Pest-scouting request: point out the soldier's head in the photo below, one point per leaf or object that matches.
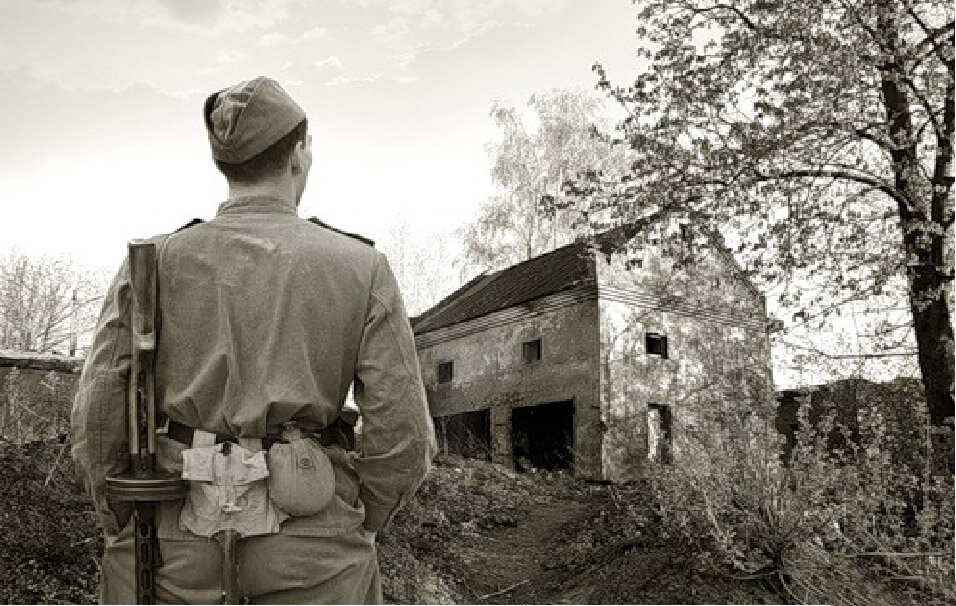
(258, 133)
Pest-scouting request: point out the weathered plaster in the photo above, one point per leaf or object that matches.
(718, 349)
(593, 352)
(489, 372)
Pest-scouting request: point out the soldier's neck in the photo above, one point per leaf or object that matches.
(282, 188)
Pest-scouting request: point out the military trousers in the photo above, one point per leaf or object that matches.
(273, 569)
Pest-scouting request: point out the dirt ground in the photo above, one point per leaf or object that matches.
(490, 536)
(475, 533)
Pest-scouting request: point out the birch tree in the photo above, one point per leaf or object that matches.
(539, 150)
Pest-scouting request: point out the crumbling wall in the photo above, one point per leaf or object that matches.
(490, 372)
(717, 362)
(36, 394)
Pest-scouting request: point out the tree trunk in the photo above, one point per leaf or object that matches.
(920, 208)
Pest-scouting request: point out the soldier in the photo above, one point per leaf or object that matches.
(265, 321)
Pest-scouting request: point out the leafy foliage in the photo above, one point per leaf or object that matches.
(819, 134)
(530, 214)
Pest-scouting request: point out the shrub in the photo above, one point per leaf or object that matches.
(828, 524)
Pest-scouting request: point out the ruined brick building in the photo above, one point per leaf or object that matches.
(593, 356)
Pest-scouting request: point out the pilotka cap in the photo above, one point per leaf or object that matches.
(245, 119)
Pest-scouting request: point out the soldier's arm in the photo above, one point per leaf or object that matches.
(98, 418)
(398, 440)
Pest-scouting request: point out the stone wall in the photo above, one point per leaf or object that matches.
(36, 393)
(489, 371)
(717, 364)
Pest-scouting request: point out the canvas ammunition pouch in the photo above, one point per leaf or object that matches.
(242, 487)
(227, 490)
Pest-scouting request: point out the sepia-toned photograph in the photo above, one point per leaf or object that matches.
(477, 302)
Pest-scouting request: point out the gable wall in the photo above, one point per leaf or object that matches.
(718, 350)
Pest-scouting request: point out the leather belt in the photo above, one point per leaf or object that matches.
(184, 434)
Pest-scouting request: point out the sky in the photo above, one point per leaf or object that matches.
(101, 105)
(101, 108)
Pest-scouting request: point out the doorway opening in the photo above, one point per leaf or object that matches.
(660, 425)
(467, 434)
(542, 437)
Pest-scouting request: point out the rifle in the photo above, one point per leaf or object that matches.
(143, 484)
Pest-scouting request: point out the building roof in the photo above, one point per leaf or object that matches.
(552, 272)
(546, 274)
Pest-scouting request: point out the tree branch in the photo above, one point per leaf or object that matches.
(823, 173)
(716, 7)
(931, 36)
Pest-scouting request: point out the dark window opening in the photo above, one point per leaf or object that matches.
(542, 437)
(467, 434)
(656, 344)
(634, 263)
(659, 426)
(446, 370)
(531, 351)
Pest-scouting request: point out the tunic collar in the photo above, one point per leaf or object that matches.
(256, 204)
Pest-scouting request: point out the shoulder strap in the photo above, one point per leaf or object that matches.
(188, 225)
(322, 223)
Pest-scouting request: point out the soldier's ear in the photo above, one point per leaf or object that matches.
(301, 159)
(296, 159)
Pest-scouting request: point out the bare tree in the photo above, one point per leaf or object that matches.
(421, 263)
(46, 303)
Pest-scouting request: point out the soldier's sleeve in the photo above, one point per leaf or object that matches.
(98, 418)
(398, 440)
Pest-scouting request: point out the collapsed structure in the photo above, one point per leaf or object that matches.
(593, 356)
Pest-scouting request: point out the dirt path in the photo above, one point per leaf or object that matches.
(512, 565)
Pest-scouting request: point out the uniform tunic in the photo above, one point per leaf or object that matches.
(266, 318)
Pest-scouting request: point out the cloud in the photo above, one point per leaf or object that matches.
(225, 16)
(341, 80)
(393, 31)
(316, 33)
(330, 61)
(79, 119)
(198, 12)
(230, 56)
(275, 39)
(411, 7)
(367, 79)
(280, 39)
(213, 17)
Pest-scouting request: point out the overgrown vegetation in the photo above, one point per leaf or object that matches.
(846, 519)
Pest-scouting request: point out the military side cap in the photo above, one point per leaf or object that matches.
(244, 120)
